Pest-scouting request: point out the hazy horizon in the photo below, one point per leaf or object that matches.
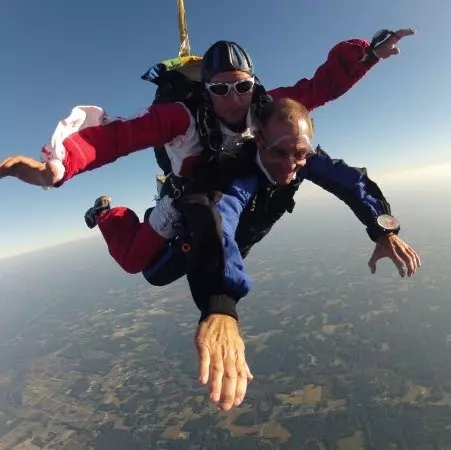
(395, 186)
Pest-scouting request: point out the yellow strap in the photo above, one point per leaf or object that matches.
(185, 49)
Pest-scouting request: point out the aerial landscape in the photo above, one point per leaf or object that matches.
(92, 358)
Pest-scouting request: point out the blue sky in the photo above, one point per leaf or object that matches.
(57, 54)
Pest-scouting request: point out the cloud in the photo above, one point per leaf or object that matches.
(433, 176)
(430, 178)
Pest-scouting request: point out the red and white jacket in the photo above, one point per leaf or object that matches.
(88, 139)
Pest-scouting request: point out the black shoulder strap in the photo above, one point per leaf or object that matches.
(259, 98)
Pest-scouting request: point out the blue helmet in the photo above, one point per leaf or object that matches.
(225, 56)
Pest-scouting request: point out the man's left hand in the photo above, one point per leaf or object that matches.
(389, 47)
(402, 254)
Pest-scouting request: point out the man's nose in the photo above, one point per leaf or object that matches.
(233, 97)
(289, 164)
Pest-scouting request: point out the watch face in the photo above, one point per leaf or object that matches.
(387, 222)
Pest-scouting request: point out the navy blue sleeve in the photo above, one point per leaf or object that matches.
(230, 207)
(350, 184)
(221, 298)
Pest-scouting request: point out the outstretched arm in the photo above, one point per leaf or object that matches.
(353, 186)
(88, 139)
(216, 270)
(346, 64)
(219, 344)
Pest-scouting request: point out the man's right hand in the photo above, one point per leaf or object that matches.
(7, 166)
(222, 360)
(28, 170)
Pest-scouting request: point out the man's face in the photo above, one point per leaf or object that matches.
(284, 148)
(233, 107)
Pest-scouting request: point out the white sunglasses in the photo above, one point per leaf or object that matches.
(222, 88)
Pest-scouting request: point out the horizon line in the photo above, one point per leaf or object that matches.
(432, 170)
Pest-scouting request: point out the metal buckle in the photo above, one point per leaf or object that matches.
(176, 189)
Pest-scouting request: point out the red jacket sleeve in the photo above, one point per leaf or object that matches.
(345, 66)
(101, 144)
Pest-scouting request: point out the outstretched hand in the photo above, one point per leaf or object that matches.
(404, 257)
(222, 361)
(8, 165)
(29, 170)
(389, 47)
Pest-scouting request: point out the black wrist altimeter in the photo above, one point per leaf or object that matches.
(384, 224)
